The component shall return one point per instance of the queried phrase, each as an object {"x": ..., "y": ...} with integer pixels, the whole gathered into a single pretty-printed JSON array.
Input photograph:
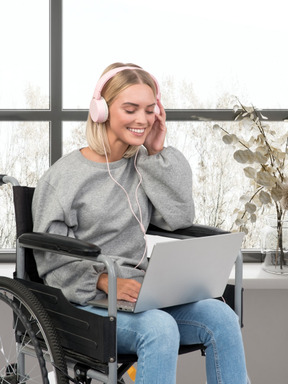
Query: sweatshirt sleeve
[
  {"x": 76, "y": 278},
  {"x": 167, "y": 181}
]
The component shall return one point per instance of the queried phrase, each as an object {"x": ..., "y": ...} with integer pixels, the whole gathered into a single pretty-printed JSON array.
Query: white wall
[{"x": 265, "y": 335}]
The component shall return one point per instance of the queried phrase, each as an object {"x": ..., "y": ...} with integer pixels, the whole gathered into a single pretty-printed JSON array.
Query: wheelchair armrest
[
  {"x": 4, "y": 179},
  {"x": 195, "y": 230},
  {"x": 75, "y": 248},
  {"x": 59, "y": 244}
]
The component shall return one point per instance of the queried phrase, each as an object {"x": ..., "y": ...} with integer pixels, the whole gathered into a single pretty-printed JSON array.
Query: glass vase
[{"x": 274, "y": 245}]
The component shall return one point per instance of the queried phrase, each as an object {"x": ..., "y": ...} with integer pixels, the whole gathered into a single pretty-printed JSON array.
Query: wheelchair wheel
[{"x": 29, "y": 348}]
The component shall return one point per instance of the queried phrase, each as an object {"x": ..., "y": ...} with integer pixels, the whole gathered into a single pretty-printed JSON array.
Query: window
[
  {"x": 24, "y": 148},
  {"x": 200, "y": 52},
  {"x": 201, "y": 56},
  {"x": 24, "y": 64}
]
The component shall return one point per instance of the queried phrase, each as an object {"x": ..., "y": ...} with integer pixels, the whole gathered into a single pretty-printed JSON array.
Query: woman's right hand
[{"x": 127, "y": 289}]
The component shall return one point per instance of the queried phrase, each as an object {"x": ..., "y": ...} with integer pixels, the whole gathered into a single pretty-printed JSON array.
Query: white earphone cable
[{"x": 139, "y": 220}]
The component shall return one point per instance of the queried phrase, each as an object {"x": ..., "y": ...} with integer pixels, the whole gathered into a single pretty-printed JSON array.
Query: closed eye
[
  {"x": 131, "y": 112},
  {"x": 129, "y": 105}
]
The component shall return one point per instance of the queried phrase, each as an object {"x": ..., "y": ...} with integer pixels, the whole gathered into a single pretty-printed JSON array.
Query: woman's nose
[{"x": 141, "y": 117}]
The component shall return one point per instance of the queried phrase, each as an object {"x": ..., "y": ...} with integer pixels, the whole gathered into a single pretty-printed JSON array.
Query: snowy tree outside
[{"x": 202, "y": 57}]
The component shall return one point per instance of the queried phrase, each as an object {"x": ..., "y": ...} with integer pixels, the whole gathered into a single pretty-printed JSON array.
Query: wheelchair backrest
[{"x": 24, "y": 224}]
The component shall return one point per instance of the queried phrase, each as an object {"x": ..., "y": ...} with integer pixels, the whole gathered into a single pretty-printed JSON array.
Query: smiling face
[{"x": 131, "y": 117}]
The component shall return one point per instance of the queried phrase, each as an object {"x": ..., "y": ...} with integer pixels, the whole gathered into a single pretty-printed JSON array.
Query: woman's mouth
[{"x": 138, "y": 131}]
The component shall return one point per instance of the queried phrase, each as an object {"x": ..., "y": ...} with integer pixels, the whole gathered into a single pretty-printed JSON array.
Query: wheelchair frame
[{"x": 93, "y": 359}]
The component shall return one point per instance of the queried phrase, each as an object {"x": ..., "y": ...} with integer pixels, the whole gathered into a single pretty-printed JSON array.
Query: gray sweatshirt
[{"x": 76, "y": 197}]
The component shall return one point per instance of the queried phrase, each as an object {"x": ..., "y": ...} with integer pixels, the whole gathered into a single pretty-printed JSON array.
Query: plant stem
[
  {"x": 280, "y": 217},
  {"x": 251, "y": 199}
]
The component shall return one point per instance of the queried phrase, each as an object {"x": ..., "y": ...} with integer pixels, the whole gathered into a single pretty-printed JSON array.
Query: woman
[{"x": 107, "y": 193}]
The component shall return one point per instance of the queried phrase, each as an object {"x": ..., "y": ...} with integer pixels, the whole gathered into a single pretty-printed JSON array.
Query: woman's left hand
[{"x": 154, "y": 142}]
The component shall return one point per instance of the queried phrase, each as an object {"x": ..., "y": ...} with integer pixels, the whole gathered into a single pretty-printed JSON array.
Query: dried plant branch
[{"x": 266, "y": 168}]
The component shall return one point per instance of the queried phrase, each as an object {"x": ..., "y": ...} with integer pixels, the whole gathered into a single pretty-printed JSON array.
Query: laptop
[{"x": 184, "y": 271}]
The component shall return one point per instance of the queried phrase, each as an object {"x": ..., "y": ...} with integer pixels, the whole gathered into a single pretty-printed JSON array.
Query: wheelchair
[{"x": 52, "y": 341}]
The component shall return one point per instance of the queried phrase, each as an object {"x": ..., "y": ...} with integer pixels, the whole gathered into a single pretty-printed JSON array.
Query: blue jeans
[{"x": 155, "y": 335}]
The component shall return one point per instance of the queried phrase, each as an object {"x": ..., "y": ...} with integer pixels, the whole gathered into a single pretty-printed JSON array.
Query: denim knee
[
  {"x": 223, "y": 322},
  {"x": 208, "y": 318},
  {"x": 163, "y": 331},
  {"x": 224, "y": 318}
]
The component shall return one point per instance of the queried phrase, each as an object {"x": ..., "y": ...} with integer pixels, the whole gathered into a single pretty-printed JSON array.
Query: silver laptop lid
[{"x": 189, "y": 270}]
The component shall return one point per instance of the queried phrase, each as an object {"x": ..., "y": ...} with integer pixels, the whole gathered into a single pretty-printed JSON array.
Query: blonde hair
[{"x": 96, "y": 133}]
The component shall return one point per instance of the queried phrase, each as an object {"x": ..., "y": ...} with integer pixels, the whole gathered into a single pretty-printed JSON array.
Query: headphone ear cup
[{"x": 99, "y": 110}]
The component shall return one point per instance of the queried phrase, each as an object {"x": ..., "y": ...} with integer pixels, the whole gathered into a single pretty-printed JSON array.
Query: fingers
[
  {"x": 155, "y": 140},
  {"x": 160, "y": 121},
  {"x": 128, "y": 289},
  {"x": 162, "y": 110}
]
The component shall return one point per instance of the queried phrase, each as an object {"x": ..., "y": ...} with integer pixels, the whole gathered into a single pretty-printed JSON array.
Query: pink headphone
[{"x": 98, "y": 106}]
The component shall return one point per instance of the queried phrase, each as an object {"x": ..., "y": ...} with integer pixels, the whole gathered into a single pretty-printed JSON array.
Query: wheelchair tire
[{"x": 30, "y": 350}]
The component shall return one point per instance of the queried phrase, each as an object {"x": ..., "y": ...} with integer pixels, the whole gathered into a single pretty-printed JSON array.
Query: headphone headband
[{"x": 98, "y": 106}]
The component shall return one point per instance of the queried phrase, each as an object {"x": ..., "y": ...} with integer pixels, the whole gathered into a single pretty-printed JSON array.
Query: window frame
[{"x": 56, "y": 115}]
